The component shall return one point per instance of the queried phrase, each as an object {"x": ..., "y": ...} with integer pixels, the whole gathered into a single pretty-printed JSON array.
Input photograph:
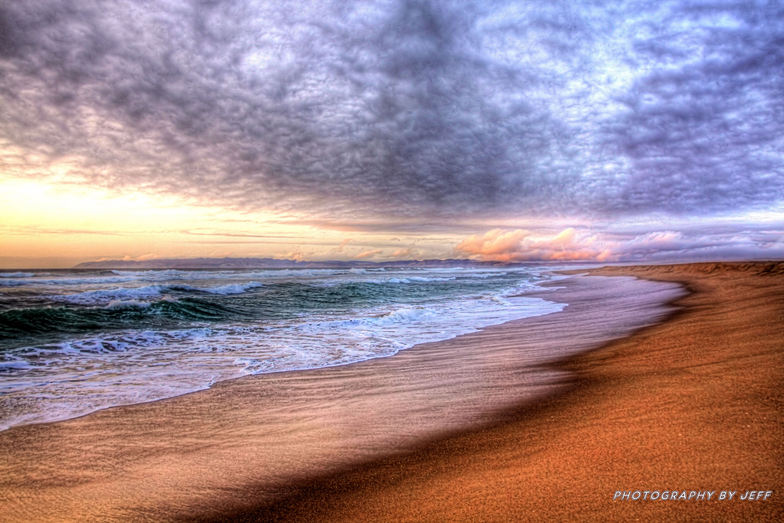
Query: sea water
[{"x": 76, "y": 341}]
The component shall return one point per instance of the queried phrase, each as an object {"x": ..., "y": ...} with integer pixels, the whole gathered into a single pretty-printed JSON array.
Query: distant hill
[{"x": 270, "y": 263}]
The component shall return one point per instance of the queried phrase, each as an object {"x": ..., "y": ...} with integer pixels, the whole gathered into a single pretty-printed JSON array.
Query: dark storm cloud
[
  {"x": 700, "y": 128},
  {"x": 423, "y": 109}
]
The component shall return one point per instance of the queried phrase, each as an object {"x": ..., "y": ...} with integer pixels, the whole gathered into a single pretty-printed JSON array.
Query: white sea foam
[
  {"x": 106, "y": 296},
  {"x": 403, "y": 279},
  {"x": 132, "y": 296},
  {"x": 233, "y": 288},
  {"x": 128, "y": 304}
]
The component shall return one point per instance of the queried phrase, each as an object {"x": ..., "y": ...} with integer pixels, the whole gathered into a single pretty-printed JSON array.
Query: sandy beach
[
  {"x": 686, "y": 397},
  {"x": 391, "y": 261},
  {"x": 694, "y": 403}
]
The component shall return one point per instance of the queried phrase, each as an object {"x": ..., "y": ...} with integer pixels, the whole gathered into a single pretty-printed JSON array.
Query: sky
[{"x": 378, "y": 130}]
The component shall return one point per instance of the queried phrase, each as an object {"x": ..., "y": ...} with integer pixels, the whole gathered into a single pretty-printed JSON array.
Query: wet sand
[
  {"x": 243, "y": 448},
  {"x": 695, "y": 403}
]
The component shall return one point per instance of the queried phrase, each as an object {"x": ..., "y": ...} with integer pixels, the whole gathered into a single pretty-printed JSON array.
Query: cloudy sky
[{"x": 498, "y": 130}]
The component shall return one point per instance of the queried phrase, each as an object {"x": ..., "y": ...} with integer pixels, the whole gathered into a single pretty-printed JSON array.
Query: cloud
[
  {"x": 404, "y": 254},
  {"x": 571, "y": 244},
  {"x": 697, "y": 130},
  {"x": 408, "y": 110},
  {"x": 520, "y": 245},
  {"x": 343, "y": 244},
  {"x": 370, "y": 253},
  {"x": 493, "y": 243}
]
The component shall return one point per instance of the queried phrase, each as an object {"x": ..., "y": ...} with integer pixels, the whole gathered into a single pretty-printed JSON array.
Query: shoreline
[
  {"x": 690, "y": 403},
  {"x": 199, "y": 455},
  {"x": 540, "y": 293},
  {"x": 74, "y": 412}
]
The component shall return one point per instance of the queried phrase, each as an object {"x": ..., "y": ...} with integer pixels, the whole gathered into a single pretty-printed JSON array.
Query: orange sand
[{"x": 695, "y": 403}]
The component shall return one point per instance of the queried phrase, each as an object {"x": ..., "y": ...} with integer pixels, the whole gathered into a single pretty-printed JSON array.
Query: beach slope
[{"x": 694, "y": 403}]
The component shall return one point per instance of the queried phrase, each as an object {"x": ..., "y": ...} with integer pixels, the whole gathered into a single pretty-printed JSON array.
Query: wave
[
  {"x": 392, "y": 280},
  {"x": 125, "y": 294},
  {"x": 118, "y": 314},
  {"x": 403, "y": 316},
  {"x": 110, "y": 295},
  {"x": 178, "y": 331},
  {"x": 84, "y": 280},
  {"x": 13, "y": 283},
  {"x": 167, "y": 277},
  {"x": 164, "y": 273},
  {"x": 232, "y": 288}
]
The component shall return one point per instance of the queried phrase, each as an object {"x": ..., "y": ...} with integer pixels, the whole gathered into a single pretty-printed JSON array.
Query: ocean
[{"x": 76, "y": 341}]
